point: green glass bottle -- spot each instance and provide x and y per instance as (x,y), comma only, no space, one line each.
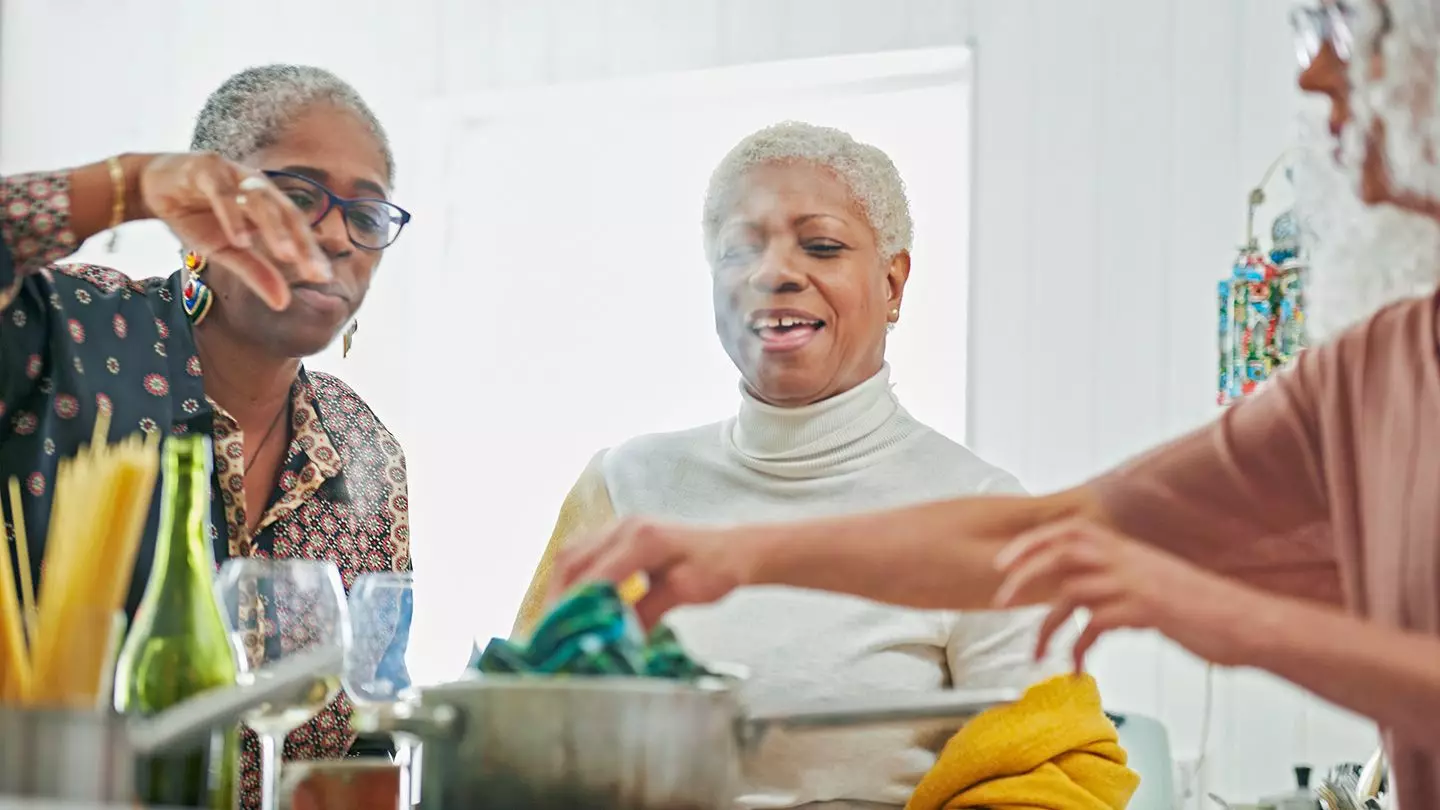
(179,645)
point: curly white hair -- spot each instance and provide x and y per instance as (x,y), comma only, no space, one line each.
(865,169)
(1362,256)
(1404,96)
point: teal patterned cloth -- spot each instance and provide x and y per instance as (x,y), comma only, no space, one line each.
(591,632)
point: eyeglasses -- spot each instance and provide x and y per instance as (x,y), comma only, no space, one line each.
(371,224)
(1332,22)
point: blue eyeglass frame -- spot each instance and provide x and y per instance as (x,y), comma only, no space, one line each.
(333,200)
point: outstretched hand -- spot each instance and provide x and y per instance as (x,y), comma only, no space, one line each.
(234,214)
(681,565)
(1123,583)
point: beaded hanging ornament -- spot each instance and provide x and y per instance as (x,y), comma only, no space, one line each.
(197,296)
(1261,305)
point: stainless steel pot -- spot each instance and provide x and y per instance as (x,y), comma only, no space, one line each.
(615,743)
(90,756)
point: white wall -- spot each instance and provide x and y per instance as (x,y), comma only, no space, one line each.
(1116,141)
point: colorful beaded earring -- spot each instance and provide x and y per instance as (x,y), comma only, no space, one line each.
(197,297)
(349,336)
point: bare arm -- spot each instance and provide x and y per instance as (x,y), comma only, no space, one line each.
(1388,675)
(934,556)
(1243,496)
(92,195)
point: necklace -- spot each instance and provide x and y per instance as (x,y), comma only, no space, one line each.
(264,440)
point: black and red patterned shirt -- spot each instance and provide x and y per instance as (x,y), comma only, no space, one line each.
(75,339)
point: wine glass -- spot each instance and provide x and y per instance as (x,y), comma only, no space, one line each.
(278,609)
(381,607)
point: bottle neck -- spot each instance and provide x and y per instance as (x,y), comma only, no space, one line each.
(184,539)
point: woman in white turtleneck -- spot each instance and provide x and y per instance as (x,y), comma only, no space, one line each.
(808,235)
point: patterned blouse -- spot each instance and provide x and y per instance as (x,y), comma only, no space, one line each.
(75,339)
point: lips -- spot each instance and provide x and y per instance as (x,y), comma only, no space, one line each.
(331,289)
(323,300)
(783,330)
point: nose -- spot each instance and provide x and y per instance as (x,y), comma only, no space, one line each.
(1326,73)
(775,274)
(331,235)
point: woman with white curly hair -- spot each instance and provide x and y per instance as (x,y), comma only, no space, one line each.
(808,234)
(1323,487)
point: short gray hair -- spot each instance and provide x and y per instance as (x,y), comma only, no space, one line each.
(251,109)
(866,170)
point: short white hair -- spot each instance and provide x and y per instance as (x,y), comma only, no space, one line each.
(866,170)
(253,107)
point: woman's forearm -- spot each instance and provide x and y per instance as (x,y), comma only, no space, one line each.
(46,216)
(92,195)
(933,556)
(1388,675)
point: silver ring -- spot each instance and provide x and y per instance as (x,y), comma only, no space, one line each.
(252,183)
(240,199)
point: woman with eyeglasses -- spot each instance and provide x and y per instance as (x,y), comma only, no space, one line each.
(1299,533)
(282,210)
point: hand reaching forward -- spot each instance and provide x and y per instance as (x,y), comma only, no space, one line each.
(1124,583)
(682,565)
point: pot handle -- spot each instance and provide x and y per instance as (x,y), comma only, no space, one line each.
(425,722)
(286,681)
(953,704)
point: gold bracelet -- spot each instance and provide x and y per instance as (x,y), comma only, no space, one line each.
(117,182)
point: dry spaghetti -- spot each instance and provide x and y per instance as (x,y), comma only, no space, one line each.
(54,646)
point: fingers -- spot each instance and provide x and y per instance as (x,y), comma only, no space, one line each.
(613,554)
(1060,613)
(283,228)
(227,212)
(259,274)
(1041,560)
(1037,540)
(657,602)
(1091,634)
(246,205)
(269,220)
(1094,593)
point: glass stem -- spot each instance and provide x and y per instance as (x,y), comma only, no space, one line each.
(270,771)
(405,758)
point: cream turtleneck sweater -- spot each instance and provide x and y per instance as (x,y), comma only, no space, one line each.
(858,451)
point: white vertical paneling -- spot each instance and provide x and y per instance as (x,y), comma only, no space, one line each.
(587,21)
(1133,99)
(1115,142)
(1001,268)
(1059,244)
(524,41)
(675,36)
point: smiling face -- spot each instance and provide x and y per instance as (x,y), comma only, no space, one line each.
(802,293)
(334,147)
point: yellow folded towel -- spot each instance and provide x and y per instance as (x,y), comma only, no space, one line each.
(1054,749)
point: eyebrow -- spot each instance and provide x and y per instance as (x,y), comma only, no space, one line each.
(804,218)
(322,176)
